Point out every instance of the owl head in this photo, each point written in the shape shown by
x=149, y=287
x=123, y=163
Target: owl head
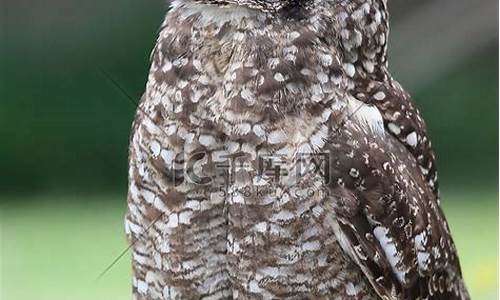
x=268, y=6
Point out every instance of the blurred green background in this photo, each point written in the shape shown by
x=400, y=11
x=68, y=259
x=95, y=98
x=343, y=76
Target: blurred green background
x=65, y=127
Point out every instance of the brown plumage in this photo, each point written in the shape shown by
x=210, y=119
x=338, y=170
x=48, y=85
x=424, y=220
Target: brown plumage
x=273, y=156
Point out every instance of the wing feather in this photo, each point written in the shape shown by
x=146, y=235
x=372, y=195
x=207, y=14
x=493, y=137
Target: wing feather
x=386, y=217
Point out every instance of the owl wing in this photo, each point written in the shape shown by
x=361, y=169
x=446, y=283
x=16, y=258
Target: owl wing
x=387, y=219
x=403, y=120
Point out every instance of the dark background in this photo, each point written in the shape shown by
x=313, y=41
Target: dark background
x=64, y=130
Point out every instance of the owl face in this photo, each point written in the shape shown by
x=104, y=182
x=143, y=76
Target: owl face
x=268, y=6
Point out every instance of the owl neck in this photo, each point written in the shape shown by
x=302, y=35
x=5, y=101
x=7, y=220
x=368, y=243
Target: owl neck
x=357, y=28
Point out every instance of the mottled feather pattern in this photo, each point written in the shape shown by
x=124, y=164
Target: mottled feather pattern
x=238, y=88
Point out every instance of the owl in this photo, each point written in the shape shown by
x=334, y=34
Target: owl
x=273, y=156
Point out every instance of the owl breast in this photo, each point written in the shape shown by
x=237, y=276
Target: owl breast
x=228, y=159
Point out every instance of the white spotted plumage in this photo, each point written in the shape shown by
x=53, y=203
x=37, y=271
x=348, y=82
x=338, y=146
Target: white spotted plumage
x=273, y=156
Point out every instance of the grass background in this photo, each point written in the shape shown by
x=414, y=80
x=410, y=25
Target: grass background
x=54, y=247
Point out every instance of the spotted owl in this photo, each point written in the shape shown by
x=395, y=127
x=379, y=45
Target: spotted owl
x=273, y=156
